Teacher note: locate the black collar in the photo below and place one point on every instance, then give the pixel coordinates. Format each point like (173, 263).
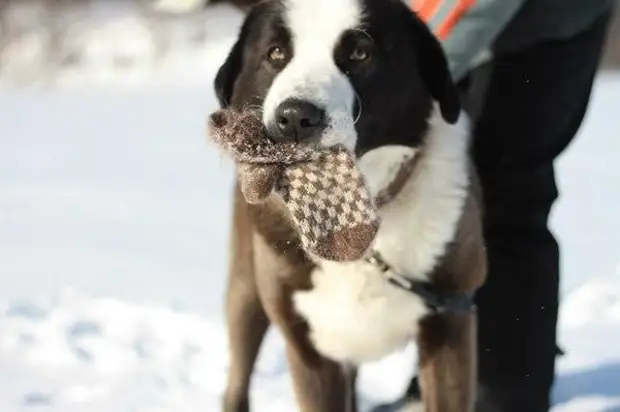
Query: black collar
(436, 302)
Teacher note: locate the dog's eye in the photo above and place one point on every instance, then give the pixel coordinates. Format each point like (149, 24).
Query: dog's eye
(359, 54)
(277, 55)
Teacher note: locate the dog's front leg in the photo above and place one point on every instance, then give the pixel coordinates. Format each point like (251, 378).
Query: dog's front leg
(246, 319)
(321, 388)
(447, 357)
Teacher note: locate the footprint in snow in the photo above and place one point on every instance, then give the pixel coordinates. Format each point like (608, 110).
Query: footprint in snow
(83, 328)
(26, 310)
(33, 399)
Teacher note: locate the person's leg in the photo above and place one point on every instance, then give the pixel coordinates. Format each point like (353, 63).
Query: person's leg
(534, 105)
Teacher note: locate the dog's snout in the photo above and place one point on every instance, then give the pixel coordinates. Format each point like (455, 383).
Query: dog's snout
(299, 120)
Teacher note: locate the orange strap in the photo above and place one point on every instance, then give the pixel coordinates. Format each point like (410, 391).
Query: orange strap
(427, 9)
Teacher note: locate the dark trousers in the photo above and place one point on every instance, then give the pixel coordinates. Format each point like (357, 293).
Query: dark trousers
(534, 104)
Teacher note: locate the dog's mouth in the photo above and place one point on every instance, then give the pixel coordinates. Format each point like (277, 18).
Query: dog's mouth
(340, 131)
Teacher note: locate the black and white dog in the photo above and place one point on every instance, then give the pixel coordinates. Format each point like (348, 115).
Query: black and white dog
(370, 75)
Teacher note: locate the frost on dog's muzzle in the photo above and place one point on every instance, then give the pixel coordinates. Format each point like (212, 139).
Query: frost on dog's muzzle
(340, 131)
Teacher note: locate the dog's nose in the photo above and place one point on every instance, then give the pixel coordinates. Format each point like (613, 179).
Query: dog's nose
(299, 120)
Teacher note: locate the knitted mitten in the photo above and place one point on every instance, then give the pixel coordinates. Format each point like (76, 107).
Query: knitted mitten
(324, 191)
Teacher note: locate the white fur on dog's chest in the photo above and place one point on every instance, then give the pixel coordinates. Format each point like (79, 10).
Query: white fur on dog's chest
(354, 314)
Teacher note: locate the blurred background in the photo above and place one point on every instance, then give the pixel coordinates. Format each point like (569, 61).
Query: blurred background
(53, 41)
(114, 216)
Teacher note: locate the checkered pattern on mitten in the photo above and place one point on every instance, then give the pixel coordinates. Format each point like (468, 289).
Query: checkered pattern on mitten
(330, 205)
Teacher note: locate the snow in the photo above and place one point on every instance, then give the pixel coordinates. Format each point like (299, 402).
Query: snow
(113, 233)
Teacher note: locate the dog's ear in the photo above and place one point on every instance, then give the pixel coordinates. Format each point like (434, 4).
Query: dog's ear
(227, 74)
(435, 70)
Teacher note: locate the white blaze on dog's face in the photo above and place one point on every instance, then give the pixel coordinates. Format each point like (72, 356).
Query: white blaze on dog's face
(316, 27)
(362, 73)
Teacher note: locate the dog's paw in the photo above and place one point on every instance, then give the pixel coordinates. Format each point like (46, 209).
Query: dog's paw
(401, 405)
(412, 406)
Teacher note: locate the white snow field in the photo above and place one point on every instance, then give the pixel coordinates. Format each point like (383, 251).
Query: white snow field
(113, 233)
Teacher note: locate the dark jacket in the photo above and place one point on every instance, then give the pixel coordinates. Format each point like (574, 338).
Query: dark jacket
(502, 26)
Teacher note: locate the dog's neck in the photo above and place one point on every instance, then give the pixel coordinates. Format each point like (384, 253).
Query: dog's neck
(404, 172)
(424, 215)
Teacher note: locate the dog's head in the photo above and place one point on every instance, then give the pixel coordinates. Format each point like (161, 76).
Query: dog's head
(363, 73)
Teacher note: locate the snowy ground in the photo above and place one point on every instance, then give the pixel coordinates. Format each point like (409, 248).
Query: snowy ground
(113, 230)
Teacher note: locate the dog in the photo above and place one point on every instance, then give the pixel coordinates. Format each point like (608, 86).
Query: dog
(371, 76)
